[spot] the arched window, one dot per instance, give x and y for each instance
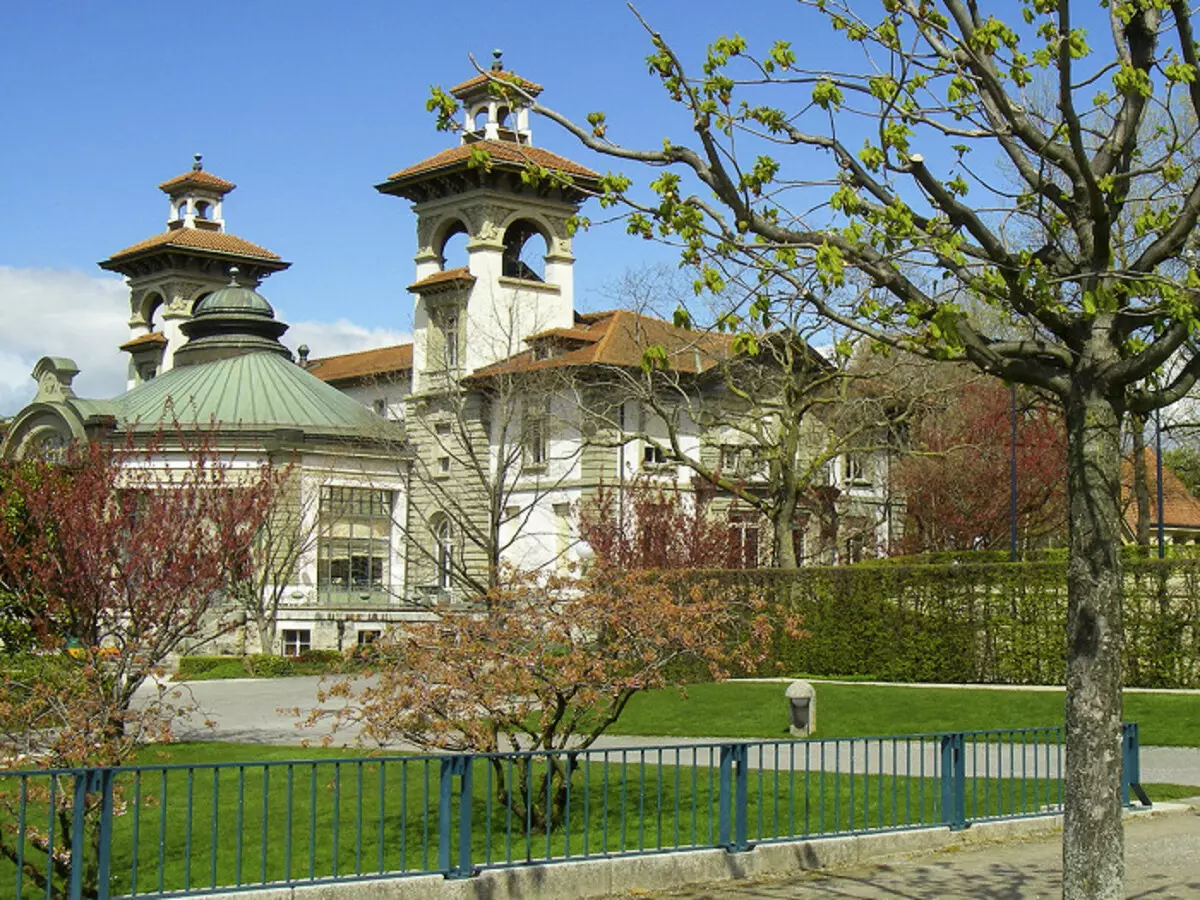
(203, 209)
(182, 210)
(502, 117)
(443, 532)
(453, 248)
(524, 257)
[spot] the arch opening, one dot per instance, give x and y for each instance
(524, 257)
(452, 253)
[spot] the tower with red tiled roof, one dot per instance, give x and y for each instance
(513, 202)
(171, 271)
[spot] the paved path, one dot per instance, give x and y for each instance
(258, 711)
(1162, 860)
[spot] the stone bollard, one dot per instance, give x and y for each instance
(802, 708)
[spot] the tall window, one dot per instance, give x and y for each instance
(443, 533)
(450, 341)
(537, 433)
(354, 542)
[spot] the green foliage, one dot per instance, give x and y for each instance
(1185, 463)
(975, 622)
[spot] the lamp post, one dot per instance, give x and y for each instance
(1012, 475)
(1158, 477)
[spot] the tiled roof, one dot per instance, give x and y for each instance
(1180, 508)
(502, 152)
(197, 239)
(621, 338)
(446, 280)
(154, 337)
(567, 334)
(467, 86)
(196, 178)
(364, 364)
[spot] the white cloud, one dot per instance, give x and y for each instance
(51, 312)
(341, 336)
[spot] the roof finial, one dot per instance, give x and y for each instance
(303, 351)
(497, 66)
(233, 274)
(197, 165)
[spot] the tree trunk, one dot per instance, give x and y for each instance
(266, 636)
(783, 518)
(1141, 483)
(1093, 835)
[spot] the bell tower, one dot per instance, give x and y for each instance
(512, 201)
(169, 272)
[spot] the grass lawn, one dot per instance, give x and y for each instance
(184, 828)
(758, 710)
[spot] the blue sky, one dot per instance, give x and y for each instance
(305, 106)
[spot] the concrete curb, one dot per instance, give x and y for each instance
(616, 876)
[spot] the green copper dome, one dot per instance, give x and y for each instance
(250, 392)
(234, 298)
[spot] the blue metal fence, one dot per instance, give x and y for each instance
(154, 830)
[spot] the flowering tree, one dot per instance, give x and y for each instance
(117, 556)
(548, 665)
(955, 482)
(644, 525)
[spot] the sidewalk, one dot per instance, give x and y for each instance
(1162, 860)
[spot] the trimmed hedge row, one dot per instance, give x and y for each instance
(974, 622)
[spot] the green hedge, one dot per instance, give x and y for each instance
(966, 622)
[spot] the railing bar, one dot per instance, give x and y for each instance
(241, 821)
(850, 824)
(549, 787)
(529, 808)
(821, 788)
(641, 800)
(22, 806)
(677, 798)
(695, 796)
(508, 814)
(216, 789)
(487, 805)
(895, 784)
(50, 836)
(587, 802)
(404, 815)
(287, 821)
(605, 789)
(382, 817)
(187, 852)
(358, 828)
(791, 827)
(162, 828)
(312, 821)
(624, 794)
(425, 819)
(879, 779)
(137, 834)
(658, 799)
(337, 814)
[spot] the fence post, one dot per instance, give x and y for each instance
(90, 781)
(954, 780)
(732, 798)
(454, 767)
(1131, 765)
